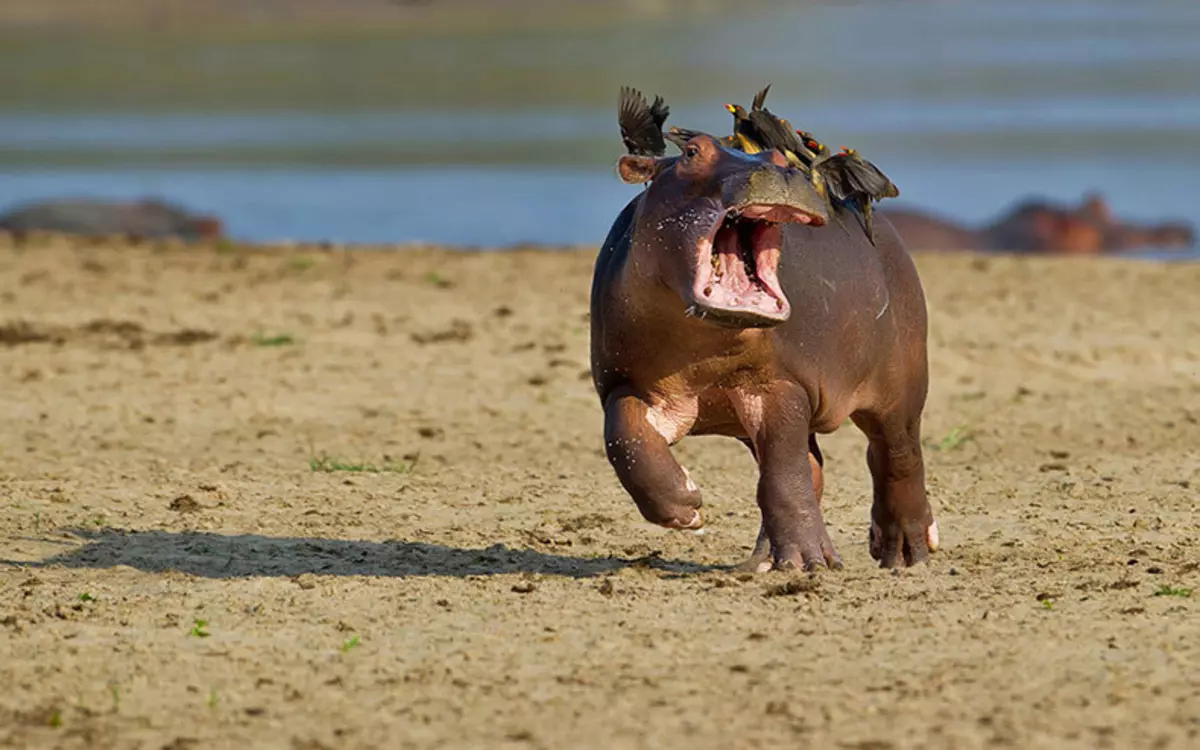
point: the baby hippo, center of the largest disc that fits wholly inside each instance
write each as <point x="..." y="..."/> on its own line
<point x="727" y="300"/>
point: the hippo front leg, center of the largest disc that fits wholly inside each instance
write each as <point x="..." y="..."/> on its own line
<point x="787" y="491"/>
<point x="662" y="489"/>
<point x="760" y="559"/>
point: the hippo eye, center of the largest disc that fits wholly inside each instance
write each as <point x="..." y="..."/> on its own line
<point x="692" y="151"/>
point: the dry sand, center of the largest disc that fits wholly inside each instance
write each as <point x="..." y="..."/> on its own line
<point x="504" y="592"/>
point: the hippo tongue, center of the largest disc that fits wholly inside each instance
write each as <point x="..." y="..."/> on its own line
<point x="765" y="240"/>
<point x="731" y="268"/>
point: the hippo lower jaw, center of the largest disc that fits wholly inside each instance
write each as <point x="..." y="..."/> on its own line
<point x="737" y="265"/>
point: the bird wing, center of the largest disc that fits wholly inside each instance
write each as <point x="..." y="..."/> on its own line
<point x="774" y="133"/>
<point x="865" y="177"/>
<point x="760" y="98"/>
<point x="659" y="111"/>
<point x="851" y="177"/>
<point x="641" y="135"/>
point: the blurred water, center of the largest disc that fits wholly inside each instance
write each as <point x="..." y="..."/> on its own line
<point x="510" y="137"/>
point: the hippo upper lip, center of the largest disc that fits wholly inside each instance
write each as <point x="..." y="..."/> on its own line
<point x="773" y="212"/>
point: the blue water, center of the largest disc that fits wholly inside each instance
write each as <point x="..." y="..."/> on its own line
<point x="504" y="139"/>
<point x="453" y="205"/>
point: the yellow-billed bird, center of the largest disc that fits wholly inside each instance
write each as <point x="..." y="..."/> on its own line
<point x="745" y="133"/>
<point x="843" y="178"/>
<point x="818" y="149"/>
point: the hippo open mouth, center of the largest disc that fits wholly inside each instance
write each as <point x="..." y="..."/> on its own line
<point x="737" y="271"/>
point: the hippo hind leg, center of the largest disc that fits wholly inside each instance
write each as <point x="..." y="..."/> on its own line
<point x="903" y="531"/>
<point x="642" y="459"/>
<point x="761" y="560"/>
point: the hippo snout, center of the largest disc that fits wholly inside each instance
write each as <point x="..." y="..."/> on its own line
<point x="773" y="185"/>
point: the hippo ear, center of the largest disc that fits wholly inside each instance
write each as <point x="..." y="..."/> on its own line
<point x="636" y="170"/>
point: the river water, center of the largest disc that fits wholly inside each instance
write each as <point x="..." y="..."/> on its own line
<point x="491" y="139"/>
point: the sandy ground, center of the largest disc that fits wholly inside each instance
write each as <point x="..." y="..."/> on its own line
<point x="189" y="561"/>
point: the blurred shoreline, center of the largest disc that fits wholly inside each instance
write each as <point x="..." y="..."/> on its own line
<point x="313" y="17"/>
<point x="493" y="124"/>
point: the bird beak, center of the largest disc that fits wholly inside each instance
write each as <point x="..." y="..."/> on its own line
<point x="732" y="109"/>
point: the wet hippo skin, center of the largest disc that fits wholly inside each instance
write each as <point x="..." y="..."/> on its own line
<point x="727" y="300"/>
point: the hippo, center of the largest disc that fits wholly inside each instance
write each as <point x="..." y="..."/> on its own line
<point x="144" y="219"/>
<point x="730" y="299"/>
<point x="1040" y="226"/>
<point x="925" y="230"/>
<point x="1119" y="236"/>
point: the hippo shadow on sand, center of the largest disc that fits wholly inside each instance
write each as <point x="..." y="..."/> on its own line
<point x="249" y="555"/>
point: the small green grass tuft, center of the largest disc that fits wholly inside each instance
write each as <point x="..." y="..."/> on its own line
<point x="212" y="697"/>
<point x="1048" y="603"/>
<point x="955" y="439"/>
<point x="326" y="464"/>
<point x="86" y="597"/>
<point x="350" y="643"/>
<point x="55" y="719"/>
<point x="115" y="689"/>
<point x="225" y="246"/>
<point x="200" y="629"/>
<point x="99" y="521"/>
<point x="1167" y="590"/>
<point x="436" y="279"/>
<point x="282" y="339"/>
<point x="299" y="263"/>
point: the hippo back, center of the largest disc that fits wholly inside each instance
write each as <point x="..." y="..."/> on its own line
<point x="855" y="304"/>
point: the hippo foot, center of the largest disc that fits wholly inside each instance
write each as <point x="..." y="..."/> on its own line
<point x="808" y="558"/>
<point x="760" y="560"/>
<point x="903" y="544"/>
<point x="818" y="554"/>
<point x="688" y="519"/>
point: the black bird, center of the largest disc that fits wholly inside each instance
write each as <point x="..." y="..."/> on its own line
<point x="775" y="132"/>
<point x="642" y="123"/>
<point x="745" y="130"/>
<point x="851" y="179"/>
<point x="844" y="177"/>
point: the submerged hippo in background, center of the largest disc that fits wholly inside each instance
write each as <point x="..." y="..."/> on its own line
<point x="725" y="301"/>
<point x="145" y="219"/>
<point x="1038" y="226"/>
